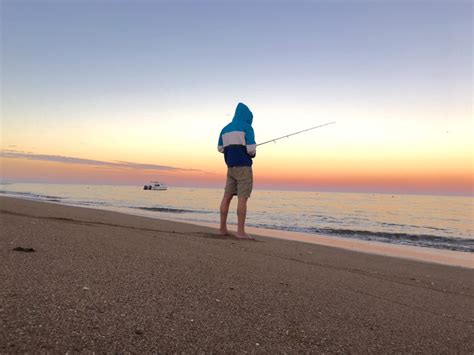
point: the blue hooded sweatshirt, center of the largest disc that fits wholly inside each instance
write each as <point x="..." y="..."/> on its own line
<point x="237" y="139"/>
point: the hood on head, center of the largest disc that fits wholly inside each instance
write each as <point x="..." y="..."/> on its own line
<point x="243" y="114"/>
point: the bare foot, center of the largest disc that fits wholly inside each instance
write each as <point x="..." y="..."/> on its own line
<point x="243" y="236"/>
<point x="224" y="232"/>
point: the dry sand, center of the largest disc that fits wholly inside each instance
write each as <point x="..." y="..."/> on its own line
<point x="105" y="281"/>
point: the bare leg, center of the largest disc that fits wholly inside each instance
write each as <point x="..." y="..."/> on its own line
<point x="241" y="214"/>
<point x="224" y="211"/>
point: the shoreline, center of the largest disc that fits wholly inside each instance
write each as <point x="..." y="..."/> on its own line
<point x="447" y="231"/>
<point x="109" y="282"/>
<point x="410" y="252"/>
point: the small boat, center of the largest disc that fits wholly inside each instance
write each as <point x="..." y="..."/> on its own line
<point x="155" y="185"/>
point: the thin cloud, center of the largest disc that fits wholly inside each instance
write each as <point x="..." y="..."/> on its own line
<point x="80" y="161"/>
<point x="142" y="166"/>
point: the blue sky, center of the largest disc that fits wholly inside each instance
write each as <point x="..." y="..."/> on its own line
<point x="191" y="50"/>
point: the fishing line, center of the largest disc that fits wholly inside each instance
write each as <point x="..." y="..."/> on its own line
<point x="292" y="134"/>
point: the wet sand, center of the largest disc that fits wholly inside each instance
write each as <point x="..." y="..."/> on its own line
<point x="432" y="255"/>
<point x="105" y="281"/>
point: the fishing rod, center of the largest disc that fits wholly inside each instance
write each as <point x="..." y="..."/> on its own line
<point x="292" y="134"/>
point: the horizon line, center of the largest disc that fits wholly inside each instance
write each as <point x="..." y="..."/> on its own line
<point x="256" y="188"/>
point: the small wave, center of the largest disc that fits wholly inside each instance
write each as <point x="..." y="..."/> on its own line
<point x="423" y="240"/>
<point x="16" y="193"/>
<point x="411" y="225"/>
<point x="426" y="240"/>
<point x="32" y="195"/>
<point x="89" y="203"/>
<point x="169" y="210"/>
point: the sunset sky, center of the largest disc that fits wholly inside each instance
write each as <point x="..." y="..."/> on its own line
<point x="131" y="91"/>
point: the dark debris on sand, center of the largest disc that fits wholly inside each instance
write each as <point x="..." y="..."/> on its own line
<point x="25" y="250"/>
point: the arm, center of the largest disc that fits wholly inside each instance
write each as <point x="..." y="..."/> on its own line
<point x="220" y="144"/>
<point x="250" y="142"/>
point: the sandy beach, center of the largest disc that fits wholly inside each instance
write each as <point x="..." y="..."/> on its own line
<point x="110" y="282"/>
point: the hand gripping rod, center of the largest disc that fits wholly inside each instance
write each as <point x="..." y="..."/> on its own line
<point x="292" y="134"/>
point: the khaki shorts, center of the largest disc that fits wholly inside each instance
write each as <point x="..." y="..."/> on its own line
<point x="239" y="181"/>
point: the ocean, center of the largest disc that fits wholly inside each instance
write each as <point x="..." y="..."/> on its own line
<point x="441" y="222"/>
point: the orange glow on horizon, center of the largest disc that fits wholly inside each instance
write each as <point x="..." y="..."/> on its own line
<point x="414" y="181"/>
